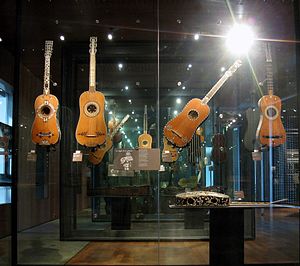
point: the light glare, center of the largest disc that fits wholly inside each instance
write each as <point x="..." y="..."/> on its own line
<point x="240" y="39"/>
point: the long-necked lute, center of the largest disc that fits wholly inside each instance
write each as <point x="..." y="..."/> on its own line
<point x="270" y="129"/>
<point x="181" y="129"/>
<point x="91" y="128"/>
<point x="145" y="139"/>
<point x="96" y="157"/>
<point x="45" y="128"/>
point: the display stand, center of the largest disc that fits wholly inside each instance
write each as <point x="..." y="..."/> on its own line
<point x="226" y="227"/>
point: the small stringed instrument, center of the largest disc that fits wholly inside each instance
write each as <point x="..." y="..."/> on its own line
<point x="111" y="125"/>
<point x="91" y="128"/>
<point x="145" y="140"/>
<point x="270" y="128"/>
<point x="181" y="129"/>
<point x="96" y="156"/>
<point x="170" y="152"/>
<point x="45" y="128"/>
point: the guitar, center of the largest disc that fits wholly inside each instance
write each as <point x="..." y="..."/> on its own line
<point x="117" y="138"/>
<point x="91" y="128"/>
<point x="145" y="140"/>
<point x="170" y="152"/>
<point x="270" y="129"/>
<point x="45" y="128"/>
<point x="180" y="129"/>
<point x="96" y="156"/>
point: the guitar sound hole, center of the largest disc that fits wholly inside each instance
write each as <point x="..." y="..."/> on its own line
<point x="91" y="108"/>
<point x="271" y="112"/>
<point x="145" y="142"/>
<point x="45" y="110"/>
<point x="193" y="115"/>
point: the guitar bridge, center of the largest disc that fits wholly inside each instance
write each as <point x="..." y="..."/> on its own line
<point x="273" y="137"/>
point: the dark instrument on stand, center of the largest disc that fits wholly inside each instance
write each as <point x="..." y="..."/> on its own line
<point x="45" y="128"/>
<point x="91" y="128"/>
<point x="180" y="129"/>
<point x="252" y="116"/>
<point x="219" y="153"/>
<point x="145" y="140"/>
<point x="270" y="129"/>
<point x="95" y="157"/>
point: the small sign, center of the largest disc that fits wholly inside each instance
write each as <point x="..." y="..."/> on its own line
<point x="166" y="157"/>
<point x="114" y="172"/>
<point x="256" y="156"/>
<point x="239" y="195"/>
<point x="31" y="156"/>
<point x="148" y="159"/>
<point x="77" y="156"/>
<point x="125" y="159"/>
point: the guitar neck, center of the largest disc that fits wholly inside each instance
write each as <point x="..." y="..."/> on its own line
<point x="116" y="129"/>
<point x="270" y="84"/>
<point x="221" y="81"/>
<point x="145" y="120"/>
<point x="48" y="52"/>
<point x="92" y="78"/>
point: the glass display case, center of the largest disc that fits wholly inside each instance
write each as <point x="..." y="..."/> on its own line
<point x="133" y="120"/>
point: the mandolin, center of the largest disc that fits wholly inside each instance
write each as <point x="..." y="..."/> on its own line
<point x="95" y="157"/>
<point x="270" y="129"/>
<point x="145" y="140"/>
<point x="91" y="128"/>
<point x="181" y="129"/>
<point x="45" y="128"/>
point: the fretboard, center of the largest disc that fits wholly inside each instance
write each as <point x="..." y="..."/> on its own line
<point x="221" y="81"/>
<point x="270" y="84"/>
<point x="47" y="75"/>
<point x="92" y="80"/>
<point x="145" y="120"/>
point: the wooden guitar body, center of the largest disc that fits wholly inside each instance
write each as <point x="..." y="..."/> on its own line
<point x="145" y="141"/>
<point x="169" y="148"/>
<point x="270" y="129"/>
<point x="97" y="156"/>
<point x="45" y="129"/>
<point x="91" y="128"/>
<point x="181" y="129"/>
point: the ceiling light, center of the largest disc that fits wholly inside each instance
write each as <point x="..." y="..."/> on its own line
<point x="223" y="69"/>
<point x="126" y="88"/>
<point x="175" y="112"/>
<point x="139" y="132"/>
<point x="190" y="66"/>
<point x="0" y="39"/>
<point x="196" y="37"/>
<point x="128" y="140"/>
<point x="120" y="66"/>
<point x="130" y="101"/>
<point x="183" y="87"/>
<point x="62" y="37"/>
<point x="178" y="100"/>
<point x="132" y="112"/>
<point x="233" y="121"/>
<point x="240" y="38"/>
<point x="109" y="36"/>
<point x="178" y="83"/>
<point x="135" y="120"/>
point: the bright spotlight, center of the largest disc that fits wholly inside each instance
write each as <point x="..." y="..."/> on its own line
<point x="109" y="36"/>
<point x="175" y="112"/>
<point x="196" y="37"/>
<point x="240" y="38"/>
<point x="178" y="100"/>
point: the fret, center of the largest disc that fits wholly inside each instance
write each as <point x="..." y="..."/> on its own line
<point x="92" y="74"/>
<point x="48" y="53"/>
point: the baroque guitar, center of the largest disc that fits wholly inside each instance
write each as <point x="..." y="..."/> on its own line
<point x="181" y="129"/>
<point x="91" y="128"/>
<point x="45" y="128"/>
<point x="270" y="129"/>
<point x="95" y="157"/>
<point x="145" y="140"/>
